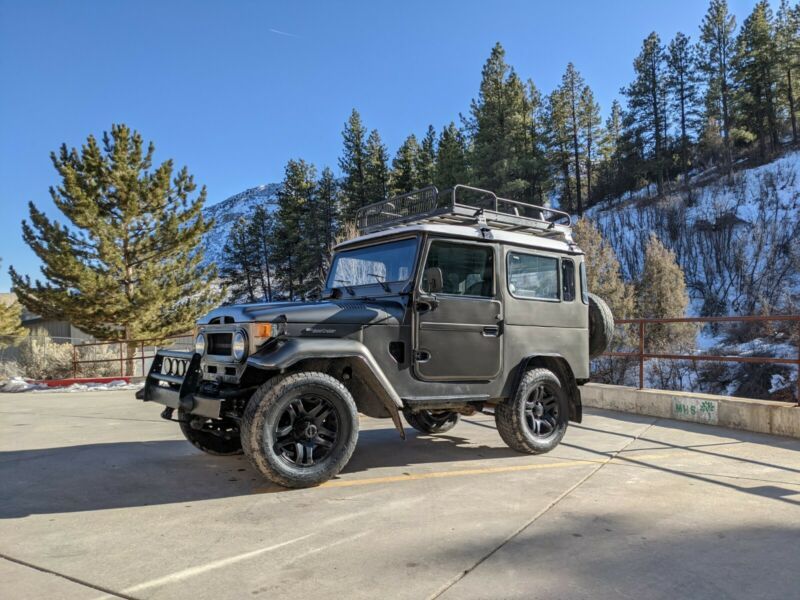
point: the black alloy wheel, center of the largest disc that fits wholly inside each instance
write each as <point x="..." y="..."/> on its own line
<point x="300" y="430"/>
<point x="541" y="410"/>
<point x="536" y="418"/>
<point x="306" y="431"/>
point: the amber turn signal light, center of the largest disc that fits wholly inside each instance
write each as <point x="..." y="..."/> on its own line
<point x="264" y="330"/>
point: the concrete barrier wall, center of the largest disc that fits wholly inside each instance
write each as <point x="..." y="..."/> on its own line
<point x="762" y="416"/>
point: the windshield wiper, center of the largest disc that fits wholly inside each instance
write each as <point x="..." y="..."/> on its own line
<point x="382" y="281"/>
<point x="346" y="285"/>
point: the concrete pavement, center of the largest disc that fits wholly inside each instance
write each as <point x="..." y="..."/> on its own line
<point x="101" y="498"/>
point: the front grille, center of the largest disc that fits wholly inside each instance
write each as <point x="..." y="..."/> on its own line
<point x="219" y="344"/>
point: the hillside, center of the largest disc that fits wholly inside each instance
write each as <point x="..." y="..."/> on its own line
<point x="736" y="239"/>
<point x="229" y="211"/>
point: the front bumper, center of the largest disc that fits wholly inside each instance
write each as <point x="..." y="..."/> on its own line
<point x="173" y="381"/>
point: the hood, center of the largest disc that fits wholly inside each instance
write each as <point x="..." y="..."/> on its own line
<point x="352" y="312"/>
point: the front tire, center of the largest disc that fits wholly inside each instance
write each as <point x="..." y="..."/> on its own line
<point x="300" y="430"/>
<point x="214" y="436"/>
<point x="535" y="420"/>
<point x="432" y="422"/>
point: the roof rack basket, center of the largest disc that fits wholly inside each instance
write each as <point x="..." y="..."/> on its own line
<point x="462" y="205"/>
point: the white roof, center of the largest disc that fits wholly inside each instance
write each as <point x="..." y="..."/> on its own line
<point x="470" y="231"/>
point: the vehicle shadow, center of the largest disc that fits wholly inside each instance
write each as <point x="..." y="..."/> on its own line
<point x="134" y="474"/>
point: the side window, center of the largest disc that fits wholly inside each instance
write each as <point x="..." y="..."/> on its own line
<point x="567" y="280"/>
<point x="466" y="270"/>
<point x="584" y="284"/>
<point x="531" y="276"/>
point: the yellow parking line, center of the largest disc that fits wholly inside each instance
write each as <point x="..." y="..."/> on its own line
<point x="337" y="483"/>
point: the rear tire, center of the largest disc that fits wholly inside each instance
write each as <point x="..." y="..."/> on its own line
<point x="432" y="422"/>
<point x="601" y="326"/>
<point x="535" y="420"/>
<point x="300" y="430"/>
<point x="224" y="441"/>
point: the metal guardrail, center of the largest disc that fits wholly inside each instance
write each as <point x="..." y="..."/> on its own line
<point x="643" y="356"/>
<point x="141" y="357"/>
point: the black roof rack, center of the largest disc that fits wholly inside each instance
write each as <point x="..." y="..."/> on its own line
<point x="462" y="205"/>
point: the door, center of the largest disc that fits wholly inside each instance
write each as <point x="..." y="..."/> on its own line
<point x="458" y="316"/>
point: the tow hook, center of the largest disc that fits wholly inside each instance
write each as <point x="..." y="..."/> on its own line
<point x="167" y="413"/>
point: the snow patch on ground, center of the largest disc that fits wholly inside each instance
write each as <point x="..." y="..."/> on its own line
<point x="18" y="384"/>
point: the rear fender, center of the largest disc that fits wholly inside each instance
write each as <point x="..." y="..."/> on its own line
<point x="560" y="366"/>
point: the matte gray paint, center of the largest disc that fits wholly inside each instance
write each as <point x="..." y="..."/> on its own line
<point x="464" y="362"/>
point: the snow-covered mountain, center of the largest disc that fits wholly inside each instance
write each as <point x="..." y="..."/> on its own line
<point x="735" y="238"/>
<point x="229" y="211"/>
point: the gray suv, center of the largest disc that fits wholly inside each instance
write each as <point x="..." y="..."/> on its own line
<point x="447" y="304"/>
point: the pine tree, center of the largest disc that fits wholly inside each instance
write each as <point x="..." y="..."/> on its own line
<point x="329" y="203"/>
<point x="451" y="158"/>
<point x="290" y="252"/>
<point x="237" y="265"/>
<point x="591" y="133"/>
<point x="609" y="149"/>
<point x="499" y="130"/>
<point x="682" y="84"/>
<point x="376" y="169"/>
<point x="717" y="47"/>
<point x="558" y="144"/>
<point x="647" y="104"/>
<point x="246" y="266"/>
<point x="571" y="86"/>
<point x="426" y="159"/>
<point x="319" y="228"/>
<point x="661" y="294"/>
<point x="10" y="321"/>
<point x="260" y="231"/>
<point x="535" y="162"/>
<point x="787" y="40"/>
<point x="353" y="164"/>
<point x="127" y="265"/>
<point x="405" y="175"/>
<point x="756" y="67"/>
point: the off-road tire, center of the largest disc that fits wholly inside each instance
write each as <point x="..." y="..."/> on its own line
<point x="510" y="415"/>
<point x="601" y="326"/>
<point x="427" y="421"/>
<point x="263" y="415"/>
<point x="230" y="445"/>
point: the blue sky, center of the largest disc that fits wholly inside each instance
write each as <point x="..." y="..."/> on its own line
<point x="235" y="89"/>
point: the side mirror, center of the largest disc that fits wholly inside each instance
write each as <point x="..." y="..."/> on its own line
<point x="432" y="280"/>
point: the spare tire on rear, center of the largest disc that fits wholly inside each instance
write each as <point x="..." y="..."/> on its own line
<point x="601" y="326"/>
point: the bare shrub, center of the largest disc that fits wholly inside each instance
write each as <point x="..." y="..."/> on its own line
<point x="42" y="358"/>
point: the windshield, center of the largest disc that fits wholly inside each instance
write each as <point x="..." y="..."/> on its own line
<point x="382" y="263"/>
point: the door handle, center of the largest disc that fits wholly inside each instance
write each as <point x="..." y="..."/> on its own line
<point x="422" y="356"/>
<point x="491" y="331"/>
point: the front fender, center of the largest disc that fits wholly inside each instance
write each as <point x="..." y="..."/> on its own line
<point x="294" y="350"/>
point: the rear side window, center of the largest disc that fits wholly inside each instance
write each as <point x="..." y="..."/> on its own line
<point x="466" y="270"/>
<point x="584" y="284"/>
<point x="533" y="277"/>
<point x="567" y="280"/>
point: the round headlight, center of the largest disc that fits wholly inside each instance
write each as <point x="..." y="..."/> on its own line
<point x="200" y="344"/>
<point x="239" y="345"/>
